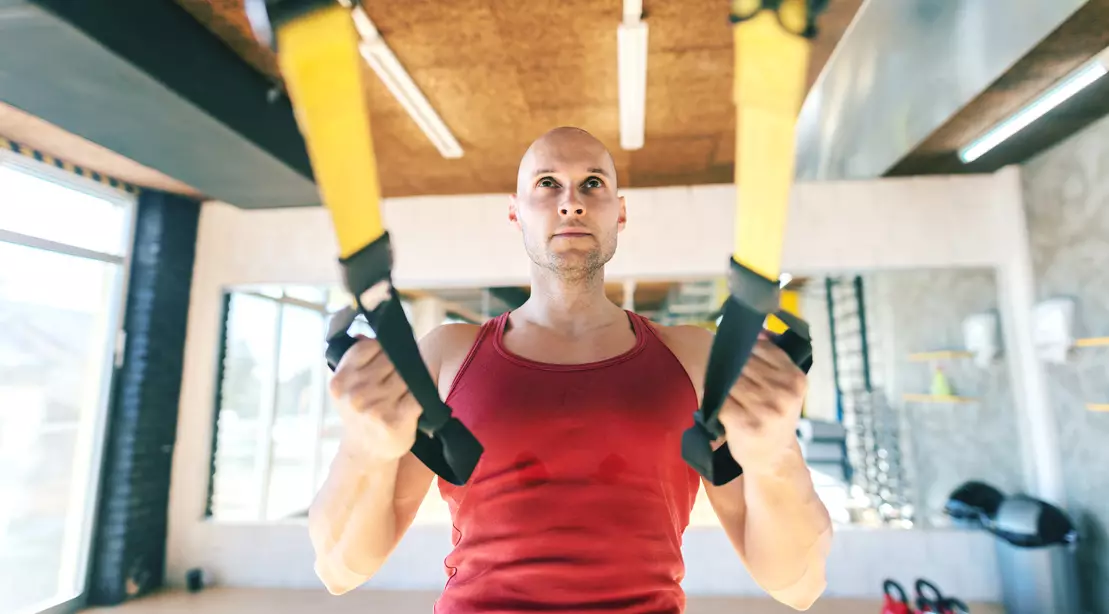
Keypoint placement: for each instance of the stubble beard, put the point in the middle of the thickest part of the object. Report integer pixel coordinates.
(574, 267)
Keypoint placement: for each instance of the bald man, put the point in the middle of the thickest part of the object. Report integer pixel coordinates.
(581, 499)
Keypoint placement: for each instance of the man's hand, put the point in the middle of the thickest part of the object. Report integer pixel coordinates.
(761, 413)
(378, 412)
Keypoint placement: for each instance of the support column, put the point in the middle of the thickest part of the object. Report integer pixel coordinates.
(427, 313)
(129, 549)
(629, 295)
(1041, 458)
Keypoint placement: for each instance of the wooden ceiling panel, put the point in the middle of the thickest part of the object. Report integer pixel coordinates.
(689, 93)
(426, 34)
(686, 25)
(547, 31)
(684, 155)
(502, 72)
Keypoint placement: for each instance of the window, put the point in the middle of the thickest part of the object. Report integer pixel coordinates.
(63, 246)
(271, 442)
(277, 429)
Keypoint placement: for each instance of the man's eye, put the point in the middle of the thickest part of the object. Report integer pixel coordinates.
(547, 182)
(593, 183)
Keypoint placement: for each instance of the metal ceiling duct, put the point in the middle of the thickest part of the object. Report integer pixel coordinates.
(905, 67)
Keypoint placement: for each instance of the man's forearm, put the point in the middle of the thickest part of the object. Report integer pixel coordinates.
(787, 530)
(352, 521)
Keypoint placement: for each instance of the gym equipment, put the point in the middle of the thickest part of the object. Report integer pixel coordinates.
(1037, 557)
(1036, 547)
(317, 49)
(771, 42)
(929, 600)
(895, 600)
(973, 504)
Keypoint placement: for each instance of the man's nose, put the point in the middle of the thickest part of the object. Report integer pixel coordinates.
(572, 206)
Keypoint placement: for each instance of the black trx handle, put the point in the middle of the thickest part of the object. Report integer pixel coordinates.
(443, 443)
(752, 298)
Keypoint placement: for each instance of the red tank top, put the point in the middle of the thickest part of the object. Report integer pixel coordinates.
(581, 498)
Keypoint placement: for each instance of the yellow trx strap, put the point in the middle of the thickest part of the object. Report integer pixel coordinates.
(318, 53)
(771, 60)
(322, 67)
(770, 68)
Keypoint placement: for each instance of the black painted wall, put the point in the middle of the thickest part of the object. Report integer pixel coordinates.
(128, 557)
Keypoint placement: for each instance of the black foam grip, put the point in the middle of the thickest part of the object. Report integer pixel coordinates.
(443, 443)
(450, 450)
(723, 468)
(337, 346)
(740, 325)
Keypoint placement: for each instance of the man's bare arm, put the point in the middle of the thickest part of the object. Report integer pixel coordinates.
(774, 519)
(364, 508)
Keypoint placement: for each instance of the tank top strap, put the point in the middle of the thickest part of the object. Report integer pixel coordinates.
(481, 347)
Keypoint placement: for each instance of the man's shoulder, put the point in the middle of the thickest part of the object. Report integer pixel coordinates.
(689, 343)
(449, 338)
(684, 336)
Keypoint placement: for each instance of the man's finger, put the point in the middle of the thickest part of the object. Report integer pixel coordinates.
(748, 392)
(360, 354)
(771, 366)
(362, 358)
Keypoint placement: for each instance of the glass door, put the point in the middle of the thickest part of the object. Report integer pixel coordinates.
(64, 245)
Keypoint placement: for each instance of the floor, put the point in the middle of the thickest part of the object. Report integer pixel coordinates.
(275, 601)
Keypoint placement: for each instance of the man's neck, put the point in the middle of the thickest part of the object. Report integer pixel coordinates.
(571, 307)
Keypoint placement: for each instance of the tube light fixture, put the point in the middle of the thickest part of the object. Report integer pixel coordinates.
(389, 69)
(1053, 97)
(631, 38)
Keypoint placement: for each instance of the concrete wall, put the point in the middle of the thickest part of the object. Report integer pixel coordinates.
(1066, 193)
(672, 233)
(945, 444)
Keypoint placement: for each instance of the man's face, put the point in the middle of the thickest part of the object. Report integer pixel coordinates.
(566, 204)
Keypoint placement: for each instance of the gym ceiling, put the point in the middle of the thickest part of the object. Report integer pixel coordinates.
(176, 94)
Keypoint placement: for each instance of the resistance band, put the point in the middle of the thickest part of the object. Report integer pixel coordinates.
(771, 41)
(319, 58)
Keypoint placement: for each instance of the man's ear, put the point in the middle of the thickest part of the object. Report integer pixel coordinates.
(513, 210)
(623, 219)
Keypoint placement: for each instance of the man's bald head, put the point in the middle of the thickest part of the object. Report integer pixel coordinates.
(566, 205)
(564, 149)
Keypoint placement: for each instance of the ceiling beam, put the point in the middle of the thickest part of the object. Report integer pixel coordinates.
(1068, 47)
(904, 69)
(146, 80)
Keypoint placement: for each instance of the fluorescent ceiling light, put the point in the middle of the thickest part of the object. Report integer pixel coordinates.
(631, 38)
(381, 58)
(1057, 95)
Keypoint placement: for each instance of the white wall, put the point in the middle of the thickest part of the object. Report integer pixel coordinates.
(672, 233)
(677, 232)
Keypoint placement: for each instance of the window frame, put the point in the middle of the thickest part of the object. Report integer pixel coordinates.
(263, 456)
(97, 428)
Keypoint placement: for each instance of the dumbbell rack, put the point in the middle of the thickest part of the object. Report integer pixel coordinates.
(873, 431)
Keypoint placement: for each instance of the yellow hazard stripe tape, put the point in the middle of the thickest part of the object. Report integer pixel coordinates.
(65, 165)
